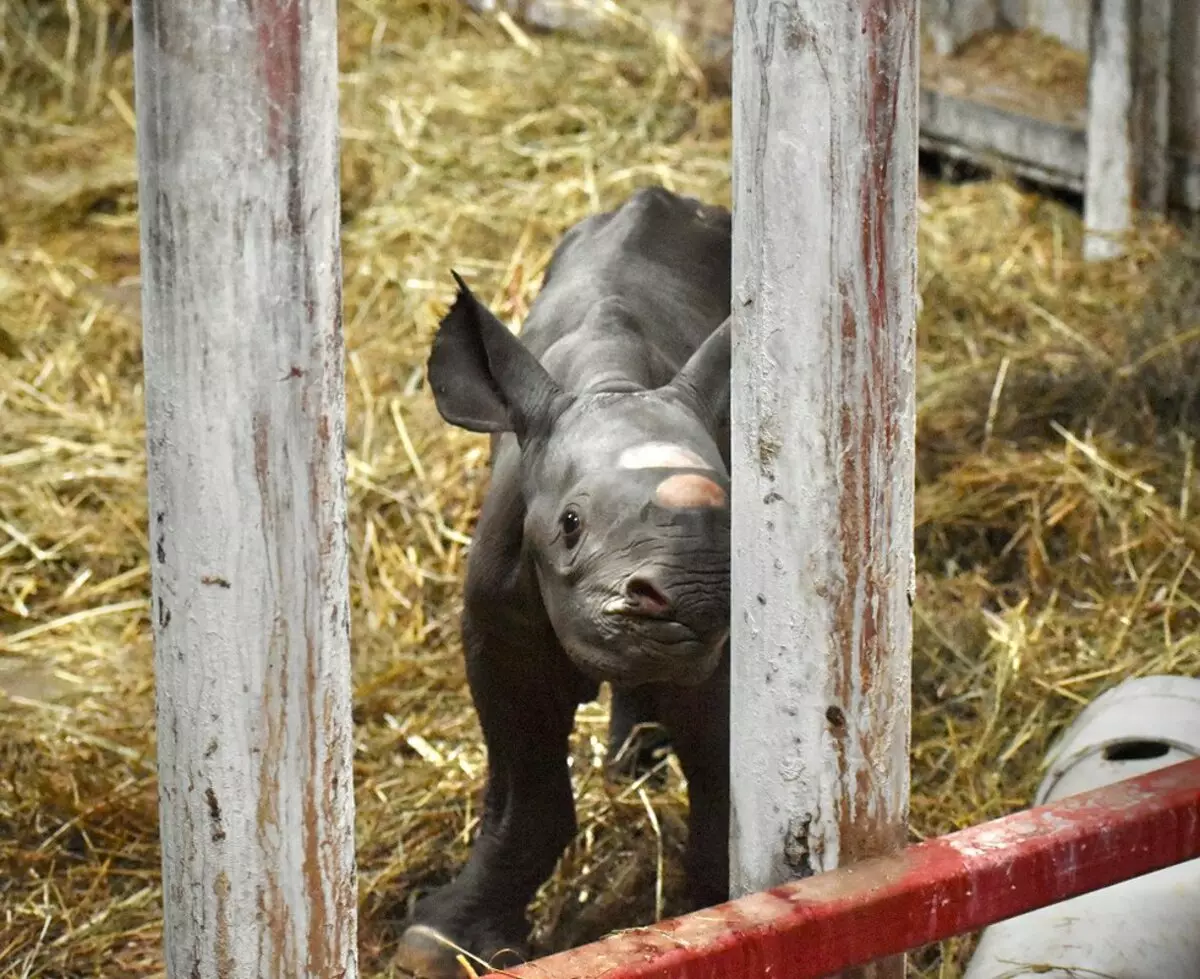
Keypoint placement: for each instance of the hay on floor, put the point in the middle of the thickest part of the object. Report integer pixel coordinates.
(1056, 464)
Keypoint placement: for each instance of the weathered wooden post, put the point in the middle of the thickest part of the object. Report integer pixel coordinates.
(824, 285)
(1128, 129)
(237, 112)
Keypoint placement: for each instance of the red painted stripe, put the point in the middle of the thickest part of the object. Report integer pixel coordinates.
(943, 887)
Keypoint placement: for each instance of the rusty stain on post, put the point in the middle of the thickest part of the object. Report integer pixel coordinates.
(277, 24)
(863, 625)
(824, 275)
(238, 159)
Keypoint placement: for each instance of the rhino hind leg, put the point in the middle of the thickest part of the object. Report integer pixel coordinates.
(637, 740)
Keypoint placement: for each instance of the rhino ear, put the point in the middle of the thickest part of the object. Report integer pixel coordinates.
(483, 378)
(703, 382)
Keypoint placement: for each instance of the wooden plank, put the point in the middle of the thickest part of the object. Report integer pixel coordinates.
(1053, 154)
(237, 115)
(938, 889)
(824, 283)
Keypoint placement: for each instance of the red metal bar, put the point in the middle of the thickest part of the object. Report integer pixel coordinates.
(943, 887)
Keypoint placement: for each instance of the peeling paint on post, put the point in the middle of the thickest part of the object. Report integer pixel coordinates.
(237, 109)
(824, 276)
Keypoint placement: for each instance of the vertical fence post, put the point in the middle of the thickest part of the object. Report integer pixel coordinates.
(1152, 103)
(824, 285)
(237, 111)
(1128, 127)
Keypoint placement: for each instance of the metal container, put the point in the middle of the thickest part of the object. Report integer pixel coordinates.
(1145, 928)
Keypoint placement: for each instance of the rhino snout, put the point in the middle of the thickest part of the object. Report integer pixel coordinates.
(642, 593)
(696, 602)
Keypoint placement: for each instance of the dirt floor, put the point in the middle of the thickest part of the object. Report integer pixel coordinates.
(1057, 426)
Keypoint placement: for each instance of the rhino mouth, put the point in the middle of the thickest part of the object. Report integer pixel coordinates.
(621, 605)
(663, 624)
(686, 664)
(639, 647)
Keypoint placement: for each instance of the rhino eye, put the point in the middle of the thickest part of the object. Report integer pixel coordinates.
(571, 526)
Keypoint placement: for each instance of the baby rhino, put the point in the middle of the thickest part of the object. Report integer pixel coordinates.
(602, 550)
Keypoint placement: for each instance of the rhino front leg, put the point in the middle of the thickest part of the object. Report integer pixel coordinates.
(528, 814)
(697, 719)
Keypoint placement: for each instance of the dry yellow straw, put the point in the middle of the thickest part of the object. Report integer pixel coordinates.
(1052, 398)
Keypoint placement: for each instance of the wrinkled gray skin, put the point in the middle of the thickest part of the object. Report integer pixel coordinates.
(579, 573)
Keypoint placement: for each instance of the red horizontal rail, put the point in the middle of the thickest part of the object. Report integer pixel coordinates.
(943, 887)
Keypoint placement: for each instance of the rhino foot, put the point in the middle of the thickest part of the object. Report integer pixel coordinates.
(426, 953)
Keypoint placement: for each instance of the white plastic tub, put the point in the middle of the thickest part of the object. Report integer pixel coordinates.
(1145, 928)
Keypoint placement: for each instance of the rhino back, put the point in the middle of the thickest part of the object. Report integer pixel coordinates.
(664, 256)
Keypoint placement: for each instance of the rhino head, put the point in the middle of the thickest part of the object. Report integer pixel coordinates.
(626, 496)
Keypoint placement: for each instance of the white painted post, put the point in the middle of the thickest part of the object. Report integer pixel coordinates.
(1128, 123)
(824, 279)
(1151, 123)
(237, 111)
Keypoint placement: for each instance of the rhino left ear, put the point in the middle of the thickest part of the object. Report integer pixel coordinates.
(484, 379)
(703, 382)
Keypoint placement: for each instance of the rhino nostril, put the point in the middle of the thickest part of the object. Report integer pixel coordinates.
(644, 596)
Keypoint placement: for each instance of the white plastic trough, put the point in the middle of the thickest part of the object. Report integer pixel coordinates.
(1145, 928)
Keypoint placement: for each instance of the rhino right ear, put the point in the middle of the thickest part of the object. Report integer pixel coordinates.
(483, 378)
(703, 381)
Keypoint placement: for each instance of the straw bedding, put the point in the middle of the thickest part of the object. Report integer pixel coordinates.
(1058, 412)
